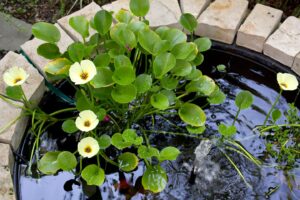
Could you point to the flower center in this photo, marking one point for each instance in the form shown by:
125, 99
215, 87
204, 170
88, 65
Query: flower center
17, 80
88, 149
87, 123
283, 85
84, 75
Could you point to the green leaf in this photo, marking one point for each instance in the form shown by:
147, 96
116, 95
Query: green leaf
103, 21
162, 64
66, 161
128, 161
93, 175
226, 131
123, 36
217, 97
45, 31
48, 163
69, 126
174, 36
203, 44
188, 21
159, 101
102, 93
147, 39
118, 141
103, 78
124, 75
59, 66
171, 96
160, 47
122, 61
192, 114
195, 130
49, 51
244, 100
182, 68
143, 83
276, 114
136, 26
76, 51
124, 93
100, 112
129, 135
154, 179
102, 60
185, 51
198, 60
221, 68
168, 153
82, 102
147, 152
124, 16
14, 92
139, 7
169, 83
81, 25
204, 85
104, 141
194, 75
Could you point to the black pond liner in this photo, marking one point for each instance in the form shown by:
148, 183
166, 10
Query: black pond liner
259, 69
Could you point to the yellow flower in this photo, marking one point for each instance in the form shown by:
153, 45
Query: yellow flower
88, 147
86, 121
83, 72
15, 76
287, 81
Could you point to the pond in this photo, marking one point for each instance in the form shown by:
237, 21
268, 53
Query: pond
215, 177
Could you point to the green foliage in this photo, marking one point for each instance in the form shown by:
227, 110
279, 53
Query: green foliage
93, 175
14, 92
168, 153
192, 114
147, 152
104, 141
66, 160
154, 179
128, 161
244, 100
49, 51
69, 126
226, 131
81, 25
139, 7
45, 31
188, 21
48, 164
103, 21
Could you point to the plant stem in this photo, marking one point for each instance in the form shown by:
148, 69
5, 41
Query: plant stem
280, 125
108, 159
61, 111
274, 104
236, 116
171, 133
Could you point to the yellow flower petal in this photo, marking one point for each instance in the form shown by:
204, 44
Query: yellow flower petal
15, 76
88, 147
86, 121
82, 73
287, 81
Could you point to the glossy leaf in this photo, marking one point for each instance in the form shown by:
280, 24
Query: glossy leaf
217, 97
66, 160
58, 66
276, 114
48, 163
244, 100
69, 126
198, 59
159, 101
169, 83
168, 153
14, 92
204, 85
226, 131
102, 60
154, 179
182, 68
46, 31
123, 36
128, 161
129, 135
147, 39
185, 51
76, 51
103, 78
192, 114
100, 112
118, 141
124, 16
195, 130
49, 51
145, 152
162, 64
188, 21
139, 7
122, 61
103, 21
195, 74
104, 141
143, 83
203, 44
170, 95
93, 175
124, 93
82, 102
123, 75
81, 25
174, 36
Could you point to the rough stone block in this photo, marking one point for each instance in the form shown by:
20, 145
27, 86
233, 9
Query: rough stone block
195, 7
88, 11
30, 48
296, 65
284, 44
33, 88
221, 20
258, 26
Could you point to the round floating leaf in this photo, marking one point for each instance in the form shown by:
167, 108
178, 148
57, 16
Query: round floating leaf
104, 141
188, 21
81, 25
82, 102
118, 141
276, 114
161, 46
174, 36
171, 96
100, 112
162, 64
128, 161
169, 83
194, 75
124, 93
159, 101
192, 114
147, 39
204, 85
139, 7
129, 135
154, 179
93, 175
45, 31
123, 36
198, 60
244, 100
103, 21
124, 16
217, 97
14, 92
226, 131
58, 66
185, 51
124, 75
49, 51
103, 78
102, 60
122, 61
143, 83
66, 161
195, 130
48, 163
221, 68
182, 68
168, 153
136, 26
69, 126
76, 51
147, 152
203, 44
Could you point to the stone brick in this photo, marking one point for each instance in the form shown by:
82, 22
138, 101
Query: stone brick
284, 44
30, 48
195, 7
221, 20
258, 26
296, 64
88, 12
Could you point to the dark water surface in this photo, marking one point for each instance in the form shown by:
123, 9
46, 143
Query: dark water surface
217, 179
